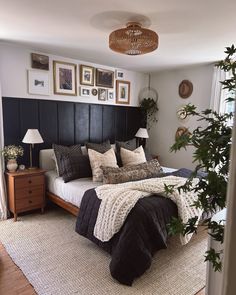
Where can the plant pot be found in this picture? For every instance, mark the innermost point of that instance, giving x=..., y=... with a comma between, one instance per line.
x=12, y=165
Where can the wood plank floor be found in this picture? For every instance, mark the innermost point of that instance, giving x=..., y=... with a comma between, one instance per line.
x=13, y=281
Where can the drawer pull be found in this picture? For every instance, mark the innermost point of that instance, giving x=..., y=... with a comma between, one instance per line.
x=30, y=201
x=30, y=181
x=30, y=192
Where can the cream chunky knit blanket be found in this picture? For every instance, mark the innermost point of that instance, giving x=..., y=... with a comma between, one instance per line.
x=117, y=200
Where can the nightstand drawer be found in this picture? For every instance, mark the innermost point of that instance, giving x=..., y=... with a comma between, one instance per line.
x=28, y=203
x=28, y=192
x=29, y=181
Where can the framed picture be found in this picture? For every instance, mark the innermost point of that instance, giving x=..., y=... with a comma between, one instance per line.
x=64, y=76
x=122, y=92
x=86, y=75
x=94, y=92
x=38, y=82
x=102, y=94
x=110, y=94
x=39, y=61
x=84, y=91
x=104, y=78
x=119, y=75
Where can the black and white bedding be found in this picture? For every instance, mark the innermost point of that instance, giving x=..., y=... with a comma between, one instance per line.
x=143, y=233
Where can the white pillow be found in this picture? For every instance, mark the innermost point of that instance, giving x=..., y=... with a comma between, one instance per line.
x=132, y=157
x=97, y=160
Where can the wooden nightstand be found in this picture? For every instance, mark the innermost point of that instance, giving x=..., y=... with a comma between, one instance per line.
x=26, y=191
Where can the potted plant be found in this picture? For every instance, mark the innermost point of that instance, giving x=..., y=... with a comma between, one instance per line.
x=11, y=153
x=212, y=155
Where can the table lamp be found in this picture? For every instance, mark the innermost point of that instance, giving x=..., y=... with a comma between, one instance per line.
x=32, y=137
x=142, y=134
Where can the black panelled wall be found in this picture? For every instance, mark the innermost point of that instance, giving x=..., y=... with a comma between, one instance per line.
x=67, y=122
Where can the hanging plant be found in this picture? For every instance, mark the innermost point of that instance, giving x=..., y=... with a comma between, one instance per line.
x=148, y=103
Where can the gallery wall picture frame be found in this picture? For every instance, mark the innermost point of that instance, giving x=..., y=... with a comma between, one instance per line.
x=122, y=92
x=85, y=91
x=104, y=78
x=102, y=94
x=64, y=78
x=110, y=94
x=38, y=82
x=39, y=61
x=120, y=75
x=94, y=92
x=86, y=75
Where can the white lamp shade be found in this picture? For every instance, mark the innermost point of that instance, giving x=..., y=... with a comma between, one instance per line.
x=32, y=136
x=142, y=133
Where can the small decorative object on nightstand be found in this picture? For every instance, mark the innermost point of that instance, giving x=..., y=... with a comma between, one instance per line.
x=26, y=191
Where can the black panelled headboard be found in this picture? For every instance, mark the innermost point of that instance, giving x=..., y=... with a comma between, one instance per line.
x=67, y=122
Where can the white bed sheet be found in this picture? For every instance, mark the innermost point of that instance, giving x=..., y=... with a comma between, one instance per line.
x=72, y=191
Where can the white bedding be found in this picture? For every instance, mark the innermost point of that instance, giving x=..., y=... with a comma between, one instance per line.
x=74, y=190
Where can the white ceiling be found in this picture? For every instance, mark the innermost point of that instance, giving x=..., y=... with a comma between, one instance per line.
x=190, y=31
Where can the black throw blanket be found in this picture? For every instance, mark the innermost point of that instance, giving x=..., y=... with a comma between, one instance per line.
x=143, y=233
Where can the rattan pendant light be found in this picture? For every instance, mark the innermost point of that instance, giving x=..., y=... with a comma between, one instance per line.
x=133, y=40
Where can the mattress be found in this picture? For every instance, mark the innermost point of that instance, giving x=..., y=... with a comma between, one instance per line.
x=74, y=190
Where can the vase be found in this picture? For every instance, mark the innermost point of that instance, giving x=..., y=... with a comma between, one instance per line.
x=12, y=165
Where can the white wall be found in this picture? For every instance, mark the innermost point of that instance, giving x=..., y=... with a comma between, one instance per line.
x=16, y=60
x=162, y=135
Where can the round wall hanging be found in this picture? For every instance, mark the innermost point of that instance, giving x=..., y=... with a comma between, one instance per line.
x=94, y=92
x=185, y=89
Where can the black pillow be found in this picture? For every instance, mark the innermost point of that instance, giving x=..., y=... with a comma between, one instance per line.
x=75, y=166
x=99, y=147
x=60, y=150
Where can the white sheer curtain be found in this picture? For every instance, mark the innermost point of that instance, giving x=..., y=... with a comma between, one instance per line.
x=3, y=196
x=217, y=93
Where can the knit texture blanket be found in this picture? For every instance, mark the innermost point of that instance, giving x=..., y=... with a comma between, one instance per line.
x=117, y=200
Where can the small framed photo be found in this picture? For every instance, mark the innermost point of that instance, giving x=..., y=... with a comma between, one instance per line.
x=39, y=61
x=84, y=91
x=102, y=94
x=38, y=82
x=104, y=78
x=119, y=75
x=122, y=92
x=86, y=75
x=64, y=76
x=110, y=95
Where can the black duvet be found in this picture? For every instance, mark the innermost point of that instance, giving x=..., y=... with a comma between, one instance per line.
x=143, y=233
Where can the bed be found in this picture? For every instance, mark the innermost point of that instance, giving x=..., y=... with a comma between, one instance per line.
x=67, y=195
x=142, y=235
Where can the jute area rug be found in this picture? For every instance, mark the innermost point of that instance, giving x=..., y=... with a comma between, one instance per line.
x=57, y=261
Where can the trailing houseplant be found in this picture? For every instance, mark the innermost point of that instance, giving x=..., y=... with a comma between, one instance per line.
x=150, y=108
x=212, y=153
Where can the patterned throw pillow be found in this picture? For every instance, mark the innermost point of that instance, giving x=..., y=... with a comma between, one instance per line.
x=60, y=150
x=99, y=147
x=75, y=166
x=97, y=160
x=132, y=157
x=132, y=173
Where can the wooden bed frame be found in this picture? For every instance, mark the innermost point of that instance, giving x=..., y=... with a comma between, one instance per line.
x=63, y=204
